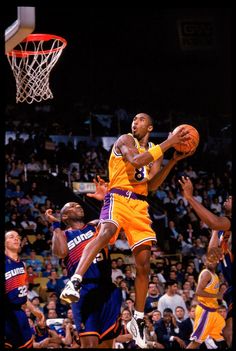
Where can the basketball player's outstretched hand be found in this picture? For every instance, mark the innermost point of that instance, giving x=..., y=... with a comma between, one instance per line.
x=187, y=186
x=101, y=189
x=50, y=218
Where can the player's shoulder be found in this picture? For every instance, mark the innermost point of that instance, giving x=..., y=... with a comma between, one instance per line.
x=128, y=136
x=126, y=139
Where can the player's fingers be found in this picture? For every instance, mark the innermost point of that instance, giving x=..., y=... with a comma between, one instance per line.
x=101, y=181
x=95, y=181
x=90, y=194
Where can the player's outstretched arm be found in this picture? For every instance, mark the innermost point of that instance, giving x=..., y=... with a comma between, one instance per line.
x=59, y=243
x=158, y=177
x=213, y=221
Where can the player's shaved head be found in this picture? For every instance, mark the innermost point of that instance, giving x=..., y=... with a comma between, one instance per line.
x=11, y=232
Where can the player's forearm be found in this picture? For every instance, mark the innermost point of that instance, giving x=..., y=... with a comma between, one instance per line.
x=159, y=178
x=205, y=215
x=67, y=340
x=34, y=310
x=140, y=160
x=143, y=159
x=214, y=241
x=59, y=244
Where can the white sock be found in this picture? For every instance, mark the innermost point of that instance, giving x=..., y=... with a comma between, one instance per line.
x=138, y=314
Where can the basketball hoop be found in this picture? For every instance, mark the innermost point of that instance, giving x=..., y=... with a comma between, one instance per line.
x=32, y=61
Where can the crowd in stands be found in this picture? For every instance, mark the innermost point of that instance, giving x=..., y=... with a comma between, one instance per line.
x=175, y=262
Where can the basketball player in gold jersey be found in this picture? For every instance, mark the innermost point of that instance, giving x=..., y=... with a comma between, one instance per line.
x=134, y=169
x=208, y=322
x=221, y=237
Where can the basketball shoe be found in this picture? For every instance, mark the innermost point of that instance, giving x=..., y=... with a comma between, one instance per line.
x=136, y=328
x=70, y=293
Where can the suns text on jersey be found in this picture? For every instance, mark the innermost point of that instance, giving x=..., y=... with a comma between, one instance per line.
x=84, y=236
x=14, y=272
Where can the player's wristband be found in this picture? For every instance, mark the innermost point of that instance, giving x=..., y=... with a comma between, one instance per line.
x=60, y=225
x=56, y=225
x=156, y=152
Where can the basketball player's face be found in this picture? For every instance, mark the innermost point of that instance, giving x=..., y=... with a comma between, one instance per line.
x=228, y=204
x=212, y=262
x=74, y=211
x=141, y=125
x=12, y=241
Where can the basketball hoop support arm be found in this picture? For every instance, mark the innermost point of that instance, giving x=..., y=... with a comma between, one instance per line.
x=19, y=30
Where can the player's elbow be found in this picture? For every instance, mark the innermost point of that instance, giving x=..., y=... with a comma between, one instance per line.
x=61, y=253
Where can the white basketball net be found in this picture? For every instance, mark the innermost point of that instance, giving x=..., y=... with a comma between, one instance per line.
x=32, y=68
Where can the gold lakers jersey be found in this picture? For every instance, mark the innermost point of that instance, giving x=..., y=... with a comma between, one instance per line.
x=212, y=288
x=123, y=175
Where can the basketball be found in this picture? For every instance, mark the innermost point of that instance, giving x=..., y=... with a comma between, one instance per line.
x=192, y=143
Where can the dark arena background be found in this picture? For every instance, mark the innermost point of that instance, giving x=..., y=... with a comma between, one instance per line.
x=171, y=63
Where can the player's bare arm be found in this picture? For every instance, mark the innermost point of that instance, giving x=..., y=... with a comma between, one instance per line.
x=158, y=175
x=126, y=146
x=214, y=241
x=213, y=221
x=36, y=312
x=59, y=243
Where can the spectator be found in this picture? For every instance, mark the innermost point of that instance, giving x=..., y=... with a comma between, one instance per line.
x=47, y=271
x=121, y=244
x=171, y=299
x=31, y=292
x=31, y=275
x=129, y=277
x=53, y=283
x=152, y=298
x=172, y=236
x=186, y=327
x=187, y=287
x=180, y=314
x=69, y=315
x=125, y=338
x=129, y=303
x=40, y=245
x=36, y=302
x=151, y=336
x=28, y=225
x=34, y=262
x=155, y=316
x=115, y=272
x=167, y=331
x=198, y=250
x=52, y=314
x=125, y=291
